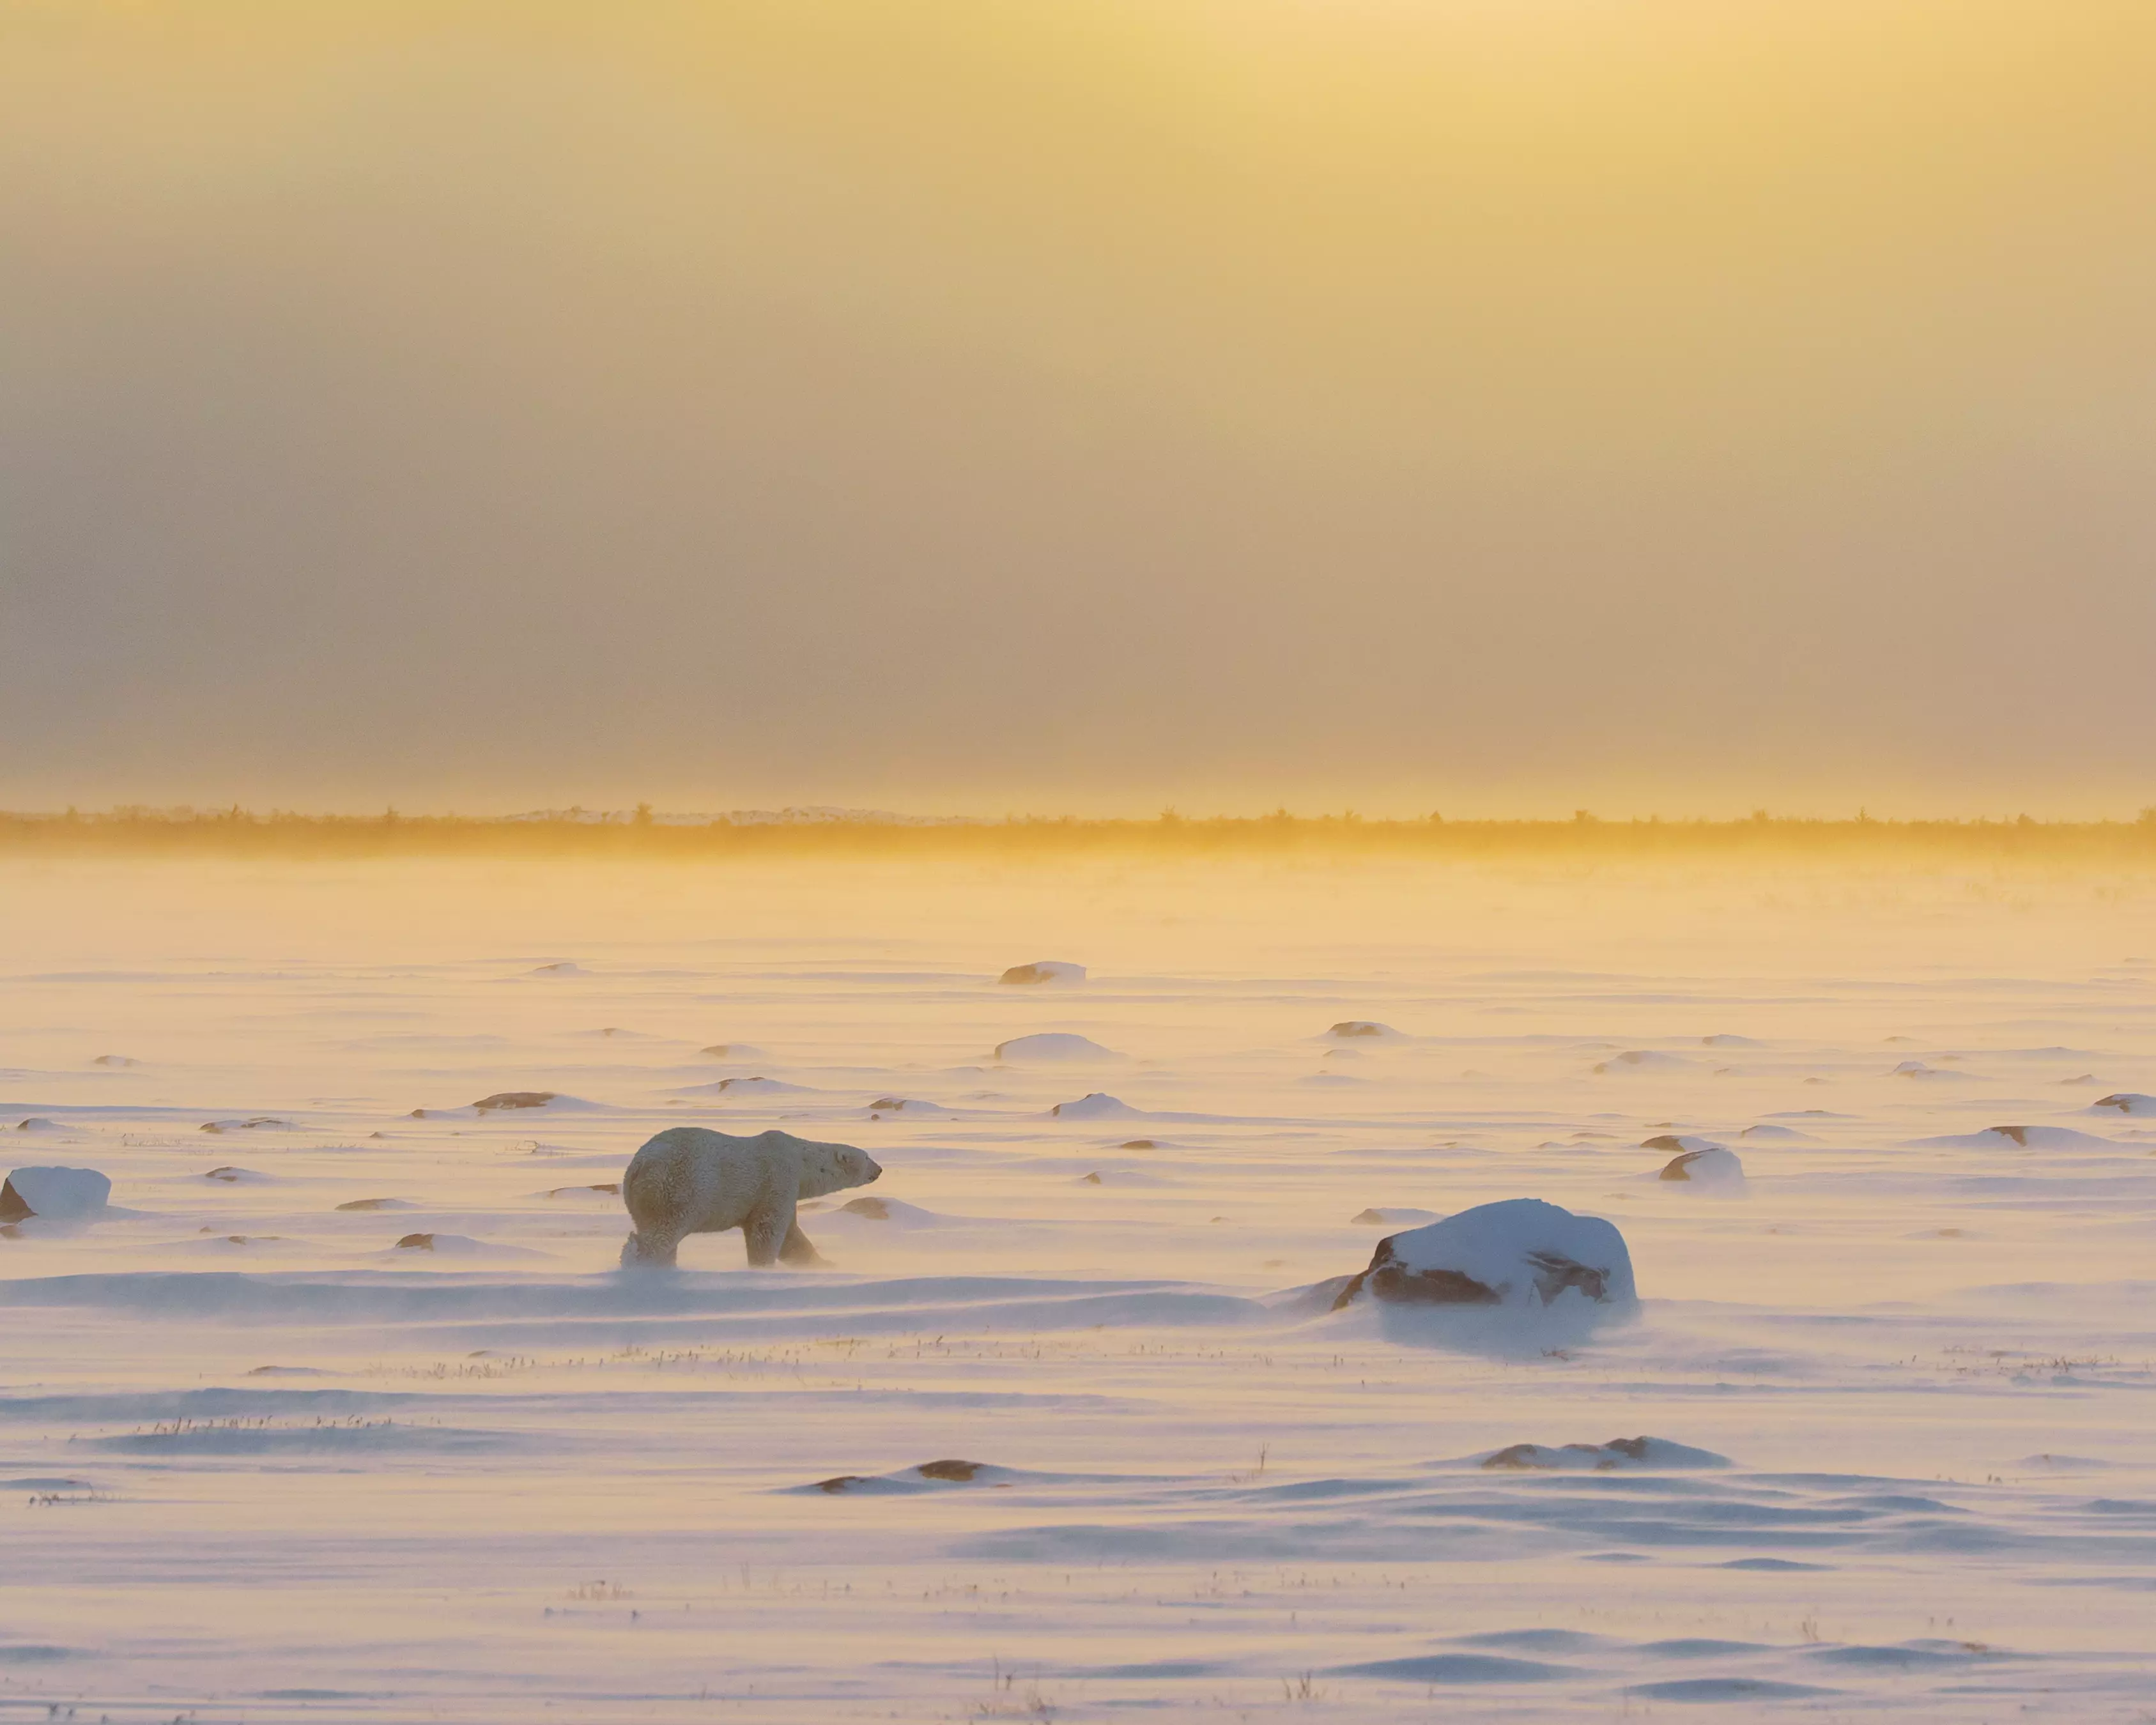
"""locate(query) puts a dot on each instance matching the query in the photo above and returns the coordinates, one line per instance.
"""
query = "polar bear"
(688, 1180)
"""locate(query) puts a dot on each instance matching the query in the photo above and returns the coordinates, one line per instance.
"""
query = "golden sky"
(1496, 405)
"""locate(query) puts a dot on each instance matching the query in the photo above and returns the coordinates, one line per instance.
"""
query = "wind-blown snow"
(341, 1410)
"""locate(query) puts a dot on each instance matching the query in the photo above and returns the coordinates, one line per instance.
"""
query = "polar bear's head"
(833, 1167)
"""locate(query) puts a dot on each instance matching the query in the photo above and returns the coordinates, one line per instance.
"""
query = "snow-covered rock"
(1617, 1455)
(38, 1123)
(2124, 1101)
(1708, 1165)
(1677, 1144)
(1054, 1045)
(2016, 1137)
(510, 1101)
(1361, 1030)
(1519, 1252)
(1921, 1069)
(905, 1105)
(58, 1194)
(757, 1086)
(1776, 1135)
(1098, 1104)
(1045, 970)
(1403, 1218)
(732, 1052)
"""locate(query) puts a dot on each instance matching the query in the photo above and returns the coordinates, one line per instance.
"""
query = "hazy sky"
(1490, 405)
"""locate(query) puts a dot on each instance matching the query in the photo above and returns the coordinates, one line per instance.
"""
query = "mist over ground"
(1503, 409)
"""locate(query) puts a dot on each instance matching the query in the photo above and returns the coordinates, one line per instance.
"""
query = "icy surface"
(1880, 1441)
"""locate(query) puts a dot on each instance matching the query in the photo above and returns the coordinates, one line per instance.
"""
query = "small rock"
(416, 1243)
(514, 1099)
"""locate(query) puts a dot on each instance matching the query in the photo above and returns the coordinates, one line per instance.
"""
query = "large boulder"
(1519, 1252)
(1043, 970)
(59, 1194)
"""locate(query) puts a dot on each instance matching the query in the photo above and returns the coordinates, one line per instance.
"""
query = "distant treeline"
(238, 832)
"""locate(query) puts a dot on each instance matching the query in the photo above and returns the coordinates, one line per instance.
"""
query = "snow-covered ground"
(259, 1462)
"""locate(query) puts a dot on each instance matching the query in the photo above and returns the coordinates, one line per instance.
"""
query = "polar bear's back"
(688, 1176)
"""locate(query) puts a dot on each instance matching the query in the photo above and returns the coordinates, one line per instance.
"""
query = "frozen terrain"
(342, 1411)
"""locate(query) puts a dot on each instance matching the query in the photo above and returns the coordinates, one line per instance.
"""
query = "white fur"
(688, 1180)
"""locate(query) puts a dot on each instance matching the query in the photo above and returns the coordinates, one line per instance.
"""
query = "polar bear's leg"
(766, 1230)
(797, 1249)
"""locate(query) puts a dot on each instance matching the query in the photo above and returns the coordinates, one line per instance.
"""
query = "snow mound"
(1710, 1165)
(38, 1123)
(1098, 1104)
(1407, 1218)
(236, 1177)
(1517, 1252)
(114, 1060)
(1617, 1455)
(563, 967)
(1777, 1135)
(2124, 1101)
(903, 1104)
(1361, 1029)
(1043, 970)
(732, 1052)
(1725, 1040)
(58, 1194)
(1054, 1045)
(254, 1122)
(2016, 1137)
(1674, 1143)
(891, 1210)
(1919, 1070)
(757, 1086)
(1641, 1059)
(378, 1203)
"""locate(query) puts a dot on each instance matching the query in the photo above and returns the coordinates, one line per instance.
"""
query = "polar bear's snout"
(860, 1168)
